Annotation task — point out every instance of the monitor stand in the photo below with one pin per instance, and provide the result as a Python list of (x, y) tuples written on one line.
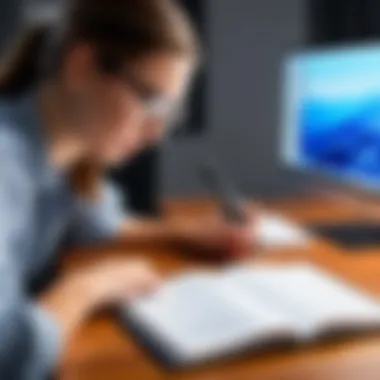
[(351, 235)]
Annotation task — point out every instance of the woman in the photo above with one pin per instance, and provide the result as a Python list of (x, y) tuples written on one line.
[(80, 95)]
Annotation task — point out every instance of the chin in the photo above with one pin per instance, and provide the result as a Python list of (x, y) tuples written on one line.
[(115, 160)]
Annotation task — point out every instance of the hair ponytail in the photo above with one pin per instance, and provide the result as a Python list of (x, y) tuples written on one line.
[(20, 69), (117, 29)]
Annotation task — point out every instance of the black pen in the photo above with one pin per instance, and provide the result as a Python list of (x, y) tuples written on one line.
[(220, 185)]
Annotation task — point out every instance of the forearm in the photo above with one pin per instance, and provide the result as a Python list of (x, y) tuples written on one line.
[(69, 303), (183, 234), (207, 235), (159, 231)]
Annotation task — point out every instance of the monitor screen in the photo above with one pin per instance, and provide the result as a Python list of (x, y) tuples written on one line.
[(331, 120)]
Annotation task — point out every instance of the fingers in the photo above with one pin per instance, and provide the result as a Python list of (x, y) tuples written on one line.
[(241, 241), (120, 280), (140, 279)]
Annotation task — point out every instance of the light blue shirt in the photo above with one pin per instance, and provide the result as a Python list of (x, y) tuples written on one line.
[(37, 213)]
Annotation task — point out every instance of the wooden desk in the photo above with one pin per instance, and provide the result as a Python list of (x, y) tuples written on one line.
[(102, 351)]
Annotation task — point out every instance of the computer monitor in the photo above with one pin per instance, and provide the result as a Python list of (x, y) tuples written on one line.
[(331, 125), (331, 120)]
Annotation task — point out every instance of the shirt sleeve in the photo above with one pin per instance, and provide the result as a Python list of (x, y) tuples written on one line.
[(30, 339), (47, 343), (30, 342), (98, 221)]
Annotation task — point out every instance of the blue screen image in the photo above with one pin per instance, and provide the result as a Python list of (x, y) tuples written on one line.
[(336, 96)]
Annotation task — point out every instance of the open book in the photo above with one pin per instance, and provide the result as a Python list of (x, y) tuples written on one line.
[(199, 317)]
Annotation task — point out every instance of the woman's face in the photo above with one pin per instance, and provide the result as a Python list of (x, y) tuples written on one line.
[(117, 116)]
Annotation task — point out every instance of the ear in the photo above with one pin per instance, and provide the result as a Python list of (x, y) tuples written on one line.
[(79, 67)]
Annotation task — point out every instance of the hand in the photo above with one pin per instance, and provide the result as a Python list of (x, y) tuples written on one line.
[(219, 236), (98, 285), (117, 280)]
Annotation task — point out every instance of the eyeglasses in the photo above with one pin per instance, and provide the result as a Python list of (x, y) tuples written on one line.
[(157, 106)]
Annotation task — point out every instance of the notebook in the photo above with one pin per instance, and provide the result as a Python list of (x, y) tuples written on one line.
[(200, 317)]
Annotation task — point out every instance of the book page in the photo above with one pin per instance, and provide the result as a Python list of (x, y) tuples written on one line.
[(275, 231), (198, 317), (311, 299)]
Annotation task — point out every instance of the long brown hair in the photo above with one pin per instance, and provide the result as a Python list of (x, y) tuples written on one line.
[(119, 30)]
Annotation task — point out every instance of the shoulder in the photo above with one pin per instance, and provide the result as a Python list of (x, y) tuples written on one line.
[(16, 147)]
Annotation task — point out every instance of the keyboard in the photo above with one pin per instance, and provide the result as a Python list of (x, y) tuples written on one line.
[(351, 235)]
